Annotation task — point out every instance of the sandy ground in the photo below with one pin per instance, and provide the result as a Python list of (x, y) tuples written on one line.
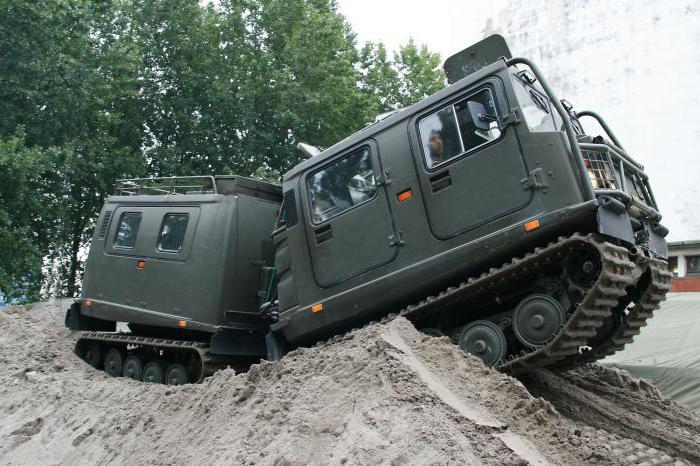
[(383, 394)]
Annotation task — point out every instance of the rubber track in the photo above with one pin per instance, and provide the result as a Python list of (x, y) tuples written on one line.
[(618, 273), (207, 363), (636, 317)]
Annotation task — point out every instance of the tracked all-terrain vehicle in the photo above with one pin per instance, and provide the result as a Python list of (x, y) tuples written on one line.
[(483, 212)]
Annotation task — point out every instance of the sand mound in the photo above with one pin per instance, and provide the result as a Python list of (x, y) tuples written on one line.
[(383, 394)]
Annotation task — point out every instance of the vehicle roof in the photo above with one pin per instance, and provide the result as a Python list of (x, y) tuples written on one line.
[(374, 128), (165, 190)]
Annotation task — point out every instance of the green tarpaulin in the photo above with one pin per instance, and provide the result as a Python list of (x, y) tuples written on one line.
[(667, 351)]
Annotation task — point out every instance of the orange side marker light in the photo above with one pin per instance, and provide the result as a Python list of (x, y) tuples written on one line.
[(532, 225), (87, 302), (316, 308), (404, 195), (182, 324), (141, 265)]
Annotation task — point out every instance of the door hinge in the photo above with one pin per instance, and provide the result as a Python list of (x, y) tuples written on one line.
[(396, 240), (535, 180), (383, 180), (509, 119)]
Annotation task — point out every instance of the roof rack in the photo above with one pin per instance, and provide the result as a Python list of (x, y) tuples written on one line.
[(165, 186)]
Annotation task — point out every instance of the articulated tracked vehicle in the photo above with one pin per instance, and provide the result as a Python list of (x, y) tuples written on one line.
[(483, 212)]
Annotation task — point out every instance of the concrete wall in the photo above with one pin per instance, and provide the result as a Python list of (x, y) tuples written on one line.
[(683, 281)]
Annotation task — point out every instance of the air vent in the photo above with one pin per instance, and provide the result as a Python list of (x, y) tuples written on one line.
[(105, 223), (290, 208)]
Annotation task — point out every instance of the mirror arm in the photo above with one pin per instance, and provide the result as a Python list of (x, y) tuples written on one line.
[(487, 117), (509, 119)]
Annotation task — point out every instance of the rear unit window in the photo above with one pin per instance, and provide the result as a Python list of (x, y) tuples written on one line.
[(172, 232), (128, 229), (342, 185), (451, 131)]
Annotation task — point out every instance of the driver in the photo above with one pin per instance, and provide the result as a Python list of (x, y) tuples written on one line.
[(436, 148)]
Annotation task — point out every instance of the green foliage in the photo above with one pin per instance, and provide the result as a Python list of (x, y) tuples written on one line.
[(91, 91), (26, 213), (413, 74)]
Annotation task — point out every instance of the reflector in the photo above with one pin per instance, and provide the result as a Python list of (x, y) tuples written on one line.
[(532, 225)]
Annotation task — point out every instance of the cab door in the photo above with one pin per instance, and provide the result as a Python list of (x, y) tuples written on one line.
[(470, 171), (349, 226)]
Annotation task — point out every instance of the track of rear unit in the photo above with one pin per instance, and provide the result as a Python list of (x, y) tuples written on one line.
[(203, 363), (617, 285)]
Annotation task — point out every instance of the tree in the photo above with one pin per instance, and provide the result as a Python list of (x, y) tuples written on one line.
[(25, 215), (420, 74), (65, 80), (413, 74), (379, 84), (91, 91)]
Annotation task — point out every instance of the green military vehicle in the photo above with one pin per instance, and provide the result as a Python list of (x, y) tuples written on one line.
[(483, 212)]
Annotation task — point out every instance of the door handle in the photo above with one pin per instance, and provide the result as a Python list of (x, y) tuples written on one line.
[(323, 234), (440, 181)]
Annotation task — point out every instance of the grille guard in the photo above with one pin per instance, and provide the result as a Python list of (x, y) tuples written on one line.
[(613, 173)]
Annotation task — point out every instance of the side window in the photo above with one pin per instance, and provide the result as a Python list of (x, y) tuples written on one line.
[(452, 131), (128, 229), (342, 185), (172, 232)]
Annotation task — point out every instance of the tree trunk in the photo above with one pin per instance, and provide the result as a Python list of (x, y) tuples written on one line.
[(76, 241)]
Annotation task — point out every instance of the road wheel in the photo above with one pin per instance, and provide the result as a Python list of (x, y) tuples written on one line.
[(537, 319), (113, 362), (93, 354), (133, 367), (153, 372), (485, 340), (176, 375)]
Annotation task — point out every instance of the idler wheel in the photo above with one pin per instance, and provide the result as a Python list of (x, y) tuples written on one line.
[(133, 367), (93, 354), (537, 319), (483, 339), (113, 362)]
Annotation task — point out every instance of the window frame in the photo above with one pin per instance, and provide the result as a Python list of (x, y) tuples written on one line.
[(465, 153), (688, 272), (116, 231), (160, 233), (328, 164)]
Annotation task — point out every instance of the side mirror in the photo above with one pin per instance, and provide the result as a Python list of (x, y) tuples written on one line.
[(481, 119)]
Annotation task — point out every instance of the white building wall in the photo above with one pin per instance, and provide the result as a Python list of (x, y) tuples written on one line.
[(636, 62)]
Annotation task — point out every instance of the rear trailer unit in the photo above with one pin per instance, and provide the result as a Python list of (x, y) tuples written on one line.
[(185, 262)]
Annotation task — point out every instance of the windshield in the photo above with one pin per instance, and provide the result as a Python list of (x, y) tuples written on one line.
[(535, 106)]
